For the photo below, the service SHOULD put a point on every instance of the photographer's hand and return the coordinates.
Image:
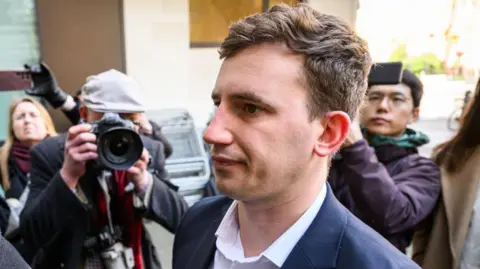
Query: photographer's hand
(45, 86)
(144, 127)
(354, 135)
(80, 147)
(138, 173)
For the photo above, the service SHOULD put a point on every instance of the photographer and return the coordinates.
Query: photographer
(378, 174)
(45, 85)
(68, 208)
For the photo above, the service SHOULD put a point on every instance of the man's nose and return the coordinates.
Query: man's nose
(384, 104)
(217, 131)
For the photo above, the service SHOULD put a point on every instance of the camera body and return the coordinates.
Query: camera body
(113, 253)
(118, 257)
(119, 145)
(389, 73)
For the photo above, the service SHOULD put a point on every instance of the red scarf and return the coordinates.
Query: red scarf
(123, 214)
(21, 155)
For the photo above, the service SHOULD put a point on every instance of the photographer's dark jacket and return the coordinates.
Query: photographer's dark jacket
(387, 184)
(56, 223)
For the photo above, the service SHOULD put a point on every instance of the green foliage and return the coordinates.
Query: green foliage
(427, 62)
(399, 54)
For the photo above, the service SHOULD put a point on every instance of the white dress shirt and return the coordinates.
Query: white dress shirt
(230, 254)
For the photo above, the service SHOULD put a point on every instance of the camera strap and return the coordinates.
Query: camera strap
(104, 179)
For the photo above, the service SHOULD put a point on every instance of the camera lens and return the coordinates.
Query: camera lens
(119, 146)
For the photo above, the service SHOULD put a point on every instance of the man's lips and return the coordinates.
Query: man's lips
(379, 121)
(219, 160)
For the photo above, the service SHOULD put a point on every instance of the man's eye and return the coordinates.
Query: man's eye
(249, 108)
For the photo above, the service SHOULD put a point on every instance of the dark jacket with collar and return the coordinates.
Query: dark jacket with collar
(389, 187)
(335, 239)
(18, 183)
(18, 179)
(55, 222)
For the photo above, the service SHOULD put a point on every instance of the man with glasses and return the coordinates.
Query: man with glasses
(378, 174)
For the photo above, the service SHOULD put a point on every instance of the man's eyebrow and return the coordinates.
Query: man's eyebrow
(248, 96)
(245, 96)
(395, 93)
(399, 94)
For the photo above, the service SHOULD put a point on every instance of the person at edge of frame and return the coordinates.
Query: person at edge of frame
(66, 206)
(378, 173)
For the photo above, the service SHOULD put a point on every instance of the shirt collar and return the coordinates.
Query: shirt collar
(228, 239)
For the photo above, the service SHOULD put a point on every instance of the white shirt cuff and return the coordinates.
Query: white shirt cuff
(142, 197)
(69, 104)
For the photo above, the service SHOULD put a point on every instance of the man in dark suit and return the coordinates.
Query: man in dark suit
(9, 257)
(291, 80)
(71, 207)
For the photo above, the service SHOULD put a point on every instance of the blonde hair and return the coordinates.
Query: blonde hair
(5, 149)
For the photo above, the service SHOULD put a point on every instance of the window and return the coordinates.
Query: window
(18, 34)
(19, 45)
(209, 19)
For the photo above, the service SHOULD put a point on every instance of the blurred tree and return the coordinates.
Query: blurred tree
(427, 62)
(399, 54)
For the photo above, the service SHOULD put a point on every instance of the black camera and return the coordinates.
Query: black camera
(389, 73)
(119, 145)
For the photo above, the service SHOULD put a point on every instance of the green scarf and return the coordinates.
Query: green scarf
(409, 139)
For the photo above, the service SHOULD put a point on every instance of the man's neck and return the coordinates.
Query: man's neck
(261, 223)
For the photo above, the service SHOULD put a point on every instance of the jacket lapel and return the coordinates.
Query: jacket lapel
(318, 248)
(203, 255)
(459, 194)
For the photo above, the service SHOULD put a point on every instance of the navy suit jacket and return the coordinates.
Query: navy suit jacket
(335, 239)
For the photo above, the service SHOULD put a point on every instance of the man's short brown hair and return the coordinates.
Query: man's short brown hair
(337, 61)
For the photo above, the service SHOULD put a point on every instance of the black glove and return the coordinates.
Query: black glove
(45, 85)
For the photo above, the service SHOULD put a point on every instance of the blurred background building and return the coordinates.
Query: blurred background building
(170, 46)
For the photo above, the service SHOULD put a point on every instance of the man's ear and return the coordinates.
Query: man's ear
(83, 112)
(336, 126)
(415, 115)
